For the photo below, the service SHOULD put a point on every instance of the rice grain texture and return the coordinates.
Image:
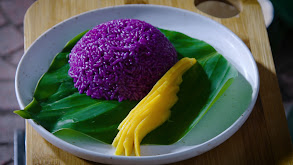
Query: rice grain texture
(120, 60)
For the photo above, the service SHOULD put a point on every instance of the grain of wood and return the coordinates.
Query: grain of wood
(263, 139)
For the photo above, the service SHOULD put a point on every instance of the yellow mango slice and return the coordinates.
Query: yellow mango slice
(152, 111)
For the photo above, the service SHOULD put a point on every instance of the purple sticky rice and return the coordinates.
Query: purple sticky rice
(120, 60)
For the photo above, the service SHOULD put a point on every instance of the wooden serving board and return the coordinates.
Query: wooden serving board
(263, 139)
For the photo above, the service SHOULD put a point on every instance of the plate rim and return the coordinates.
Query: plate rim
(164, 158)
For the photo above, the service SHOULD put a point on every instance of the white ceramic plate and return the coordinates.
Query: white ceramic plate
(223, 119)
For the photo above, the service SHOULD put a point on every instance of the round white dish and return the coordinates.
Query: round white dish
(215, 127)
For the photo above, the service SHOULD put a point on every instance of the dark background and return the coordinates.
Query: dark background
(281, 39)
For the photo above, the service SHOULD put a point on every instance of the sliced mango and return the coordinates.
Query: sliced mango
(152, 111)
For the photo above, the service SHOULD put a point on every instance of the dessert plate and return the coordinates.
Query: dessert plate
(225, 117)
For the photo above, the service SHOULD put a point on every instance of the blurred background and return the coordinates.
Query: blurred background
(11, 50)
(278, 18)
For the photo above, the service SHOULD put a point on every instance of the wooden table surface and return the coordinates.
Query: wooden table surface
(263, 139)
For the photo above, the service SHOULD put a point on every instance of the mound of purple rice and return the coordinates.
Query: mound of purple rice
(121, 59)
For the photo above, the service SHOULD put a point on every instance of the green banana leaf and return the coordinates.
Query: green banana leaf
(57, 104)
